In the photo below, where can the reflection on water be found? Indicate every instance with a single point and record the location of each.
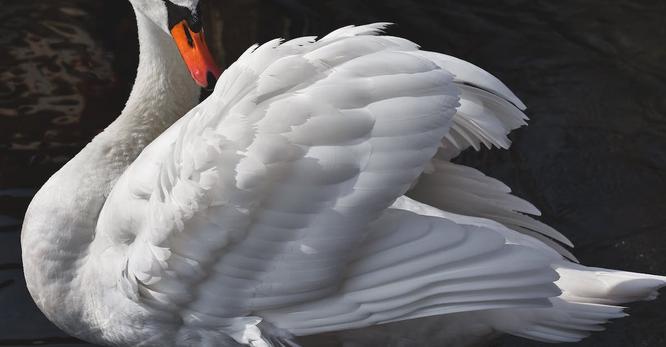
(592, 73)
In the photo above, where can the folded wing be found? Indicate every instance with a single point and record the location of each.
(253, 200)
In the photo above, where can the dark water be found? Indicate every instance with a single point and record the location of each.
(592, 73)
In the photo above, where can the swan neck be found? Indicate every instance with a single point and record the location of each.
(61, 220)
(162, 93)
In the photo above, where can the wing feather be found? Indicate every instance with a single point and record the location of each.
(272, 198)
(464, 190)
(488, 112)
(412, 266)
(301, 146)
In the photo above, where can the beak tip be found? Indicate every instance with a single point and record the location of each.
(206, 81)
(196, 55)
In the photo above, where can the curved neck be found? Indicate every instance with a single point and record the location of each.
(163, 92)
(61, 219)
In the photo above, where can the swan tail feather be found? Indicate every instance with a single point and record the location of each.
(591, 297)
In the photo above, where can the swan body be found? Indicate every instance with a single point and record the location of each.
(312, 192)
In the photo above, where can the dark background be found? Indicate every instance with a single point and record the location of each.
(592, 72)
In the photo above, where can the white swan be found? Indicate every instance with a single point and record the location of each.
(276, 207)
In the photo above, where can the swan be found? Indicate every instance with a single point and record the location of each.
(312, 192)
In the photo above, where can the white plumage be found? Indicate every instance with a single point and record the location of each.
(276, 208)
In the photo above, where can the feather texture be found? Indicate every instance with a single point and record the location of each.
(280, 199)
(488, 112)
(412, 266)
(298, 150)
(464, 190)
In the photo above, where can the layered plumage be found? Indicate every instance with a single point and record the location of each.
(276, 208)
(270, 200)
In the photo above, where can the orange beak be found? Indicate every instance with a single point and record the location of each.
(194, 51)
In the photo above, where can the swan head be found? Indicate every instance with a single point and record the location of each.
(181, 19)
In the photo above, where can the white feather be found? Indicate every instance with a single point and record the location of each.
(276, 208)
(276, 190)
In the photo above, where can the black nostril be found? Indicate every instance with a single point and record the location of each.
(210, 81)
(188, 35)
